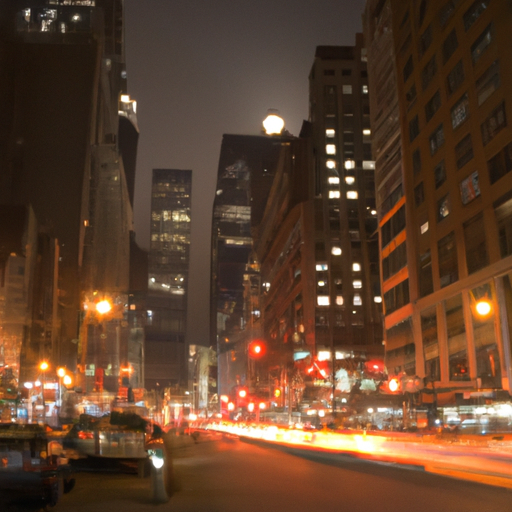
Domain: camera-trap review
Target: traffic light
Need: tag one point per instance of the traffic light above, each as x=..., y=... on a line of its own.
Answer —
x=257, y=349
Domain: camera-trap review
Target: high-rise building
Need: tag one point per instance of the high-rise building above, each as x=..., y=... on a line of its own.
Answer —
x=247, y=166
x=445, y=236
x=348, y=299
x=63, y=87
x=166, y=350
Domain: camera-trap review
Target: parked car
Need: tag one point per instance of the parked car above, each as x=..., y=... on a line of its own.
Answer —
x=31, y=468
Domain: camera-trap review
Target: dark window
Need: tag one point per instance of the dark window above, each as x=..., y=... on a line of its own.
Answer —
x=408, y=69
x=474, y=238
x=410, y=95
x=464, y=151
x=395, y=261
x=436, y=139
x=488, y=82
x=503, y=212
x=393, y=226
x=439, y=174
x=397, y=297
x=450, y=44
x=455, y=78
x=329, y=72
x=501, y=164
x=425, y=274
x=432, y=106
x=404, y=356
x=414, y=128
x=482, y=43
x=419, y=195
x=494, y=123
x=430, y=343
x=416, y=161
x=425, y=40
x=446, y=12
x=460, y=111
x=392, y=199
x=469, y=188
x=473, y=13
x=443, y=208
x=447, y=254
x=346, y=72
x=456, y=333
x=428, y=72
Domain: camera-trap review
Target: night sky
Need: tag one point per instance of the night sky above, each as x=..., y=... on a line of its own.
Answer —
x=202, y=68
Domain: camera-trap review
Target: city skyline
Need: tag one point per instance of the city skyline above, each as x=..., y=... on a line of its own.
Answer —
x=193, y=84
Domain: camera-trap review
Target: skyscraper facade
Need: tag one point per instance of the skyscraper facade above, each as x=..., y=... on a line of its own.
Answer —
x=63, y=86
x=445, y=244
x=348, y=299
x=168, y=270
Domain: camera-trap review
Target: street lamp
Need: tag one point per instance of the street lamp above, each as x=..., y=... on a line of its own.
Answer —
x=43, y=366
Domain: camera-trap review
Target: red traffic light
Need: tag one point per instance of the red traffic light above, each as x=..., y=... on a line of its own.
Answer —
x=257, y=349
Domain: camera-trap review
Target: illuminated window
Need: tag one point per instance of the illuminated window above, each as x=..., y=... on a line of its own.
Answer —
x=350, y=164
x=357, y=300
x=367, y=131
x=368, y=165
x=339, y=300
x=350, y=180
x=321, y=267
x=336, y=251
x=377, y=299
x=330, y=133
x=352, y=194
x=424, y=228
x=357, y=283
x=347, y=89
x=330, y=149
x=334, y=194
x=356, y=267
x=334, y=180
x=364, y=89
x=322, y=300
x=330, y=164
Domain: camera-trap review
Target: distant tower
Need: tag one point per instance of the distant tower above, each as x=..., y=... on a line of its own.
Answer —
x=169, y=255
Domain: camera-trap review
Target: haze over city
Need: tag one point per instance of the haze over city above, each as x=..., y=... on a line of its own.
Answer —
x=201, y=69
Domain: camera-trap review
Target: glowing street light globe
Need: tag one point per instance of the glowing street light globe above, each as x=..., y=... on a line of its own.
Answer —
x=483, y=307
x=103, y=307
x=43, y=366
x=273, y=124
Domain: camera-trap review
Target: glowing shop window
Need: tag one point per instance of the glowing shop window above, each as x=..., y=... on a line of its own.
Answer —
x=321, y=267
x=350, y=164
x=424, y=228
x=377, y=299
x=357, y=300
x=336, y=251
x=356, y=267
x=330, y=164
x=330, y=133
x=350, y=180
x=352, y=194
x=357, y=283
x=330, y=149
x=339, y=300
x=334, y=194
x=368, y=165
x=322, y=300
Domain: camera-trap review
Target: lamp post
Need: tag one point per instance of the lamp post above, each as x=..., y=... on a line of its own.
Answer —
x=43, y=366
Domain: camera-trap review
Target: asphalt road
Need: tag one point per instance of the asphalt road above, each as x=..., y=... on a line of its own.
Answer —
x=225, y=475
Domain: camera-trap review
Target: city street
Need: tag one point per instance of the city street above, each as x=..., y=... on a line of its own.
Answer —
x=226, y=474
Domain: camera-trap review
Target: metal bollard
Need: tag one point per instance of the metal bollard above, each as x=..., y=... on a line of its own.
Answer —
x=158, y=471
